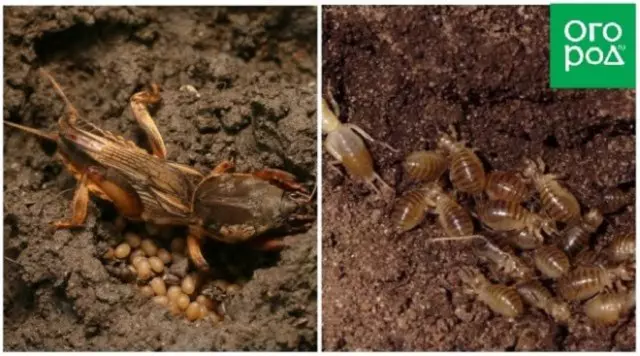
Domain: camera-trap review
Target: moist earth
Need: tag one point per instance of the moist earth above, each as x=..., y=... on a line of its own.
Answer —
x=253, y=71
x=404, y=74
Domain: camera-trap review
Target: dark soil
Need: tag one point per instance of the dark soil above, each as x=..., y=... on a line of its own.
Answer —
x=405, y=73
x=254, y=70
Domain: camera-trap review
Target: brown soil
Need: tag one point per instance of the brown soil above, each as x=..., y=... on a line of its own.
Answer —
x=254, y=69
x=402, y=74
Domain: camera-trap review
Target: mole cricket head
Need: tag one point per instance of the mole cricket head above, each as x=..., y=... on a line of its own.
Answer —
x=433, y=191
x=296, y=207
x=330, y=121
x=531, y=169
x=560, y=312
x=446, y=143
x=593, y=219
x=472, y=278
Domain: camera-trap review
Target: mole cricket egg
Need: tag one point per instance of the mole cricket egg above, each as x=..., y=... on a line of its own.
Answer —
x=158, y=286
x=109, y=255
x=204, y=311
x=193, y=311
x=174, y=309
x=144, y=270
x=135, y=260
x=174, y=292
x=122, y=251
x=208, y=303
x=189, y=284
x=135, y=255
x=161, y=300
x=183, y=301
x=149, y=247
x=132, y=239
x=156, y=264
x=164, y=255
x=178, y=245
x=147, y=291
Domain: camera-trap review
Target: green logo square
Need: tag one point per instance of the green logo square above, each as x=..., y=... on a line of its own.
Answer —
x=593, y=46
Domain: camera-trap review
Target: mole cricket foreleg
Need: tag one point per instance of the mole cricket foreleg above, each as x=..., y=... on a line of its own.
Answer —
x=223, y=167
x=79, y=206
x=195, y=249
x=280, y=177
x=139, y=102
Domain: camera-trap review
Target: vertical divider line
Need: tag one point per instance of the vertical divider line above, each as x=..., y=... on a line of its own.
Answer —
x=319, y=169
x=637, y=203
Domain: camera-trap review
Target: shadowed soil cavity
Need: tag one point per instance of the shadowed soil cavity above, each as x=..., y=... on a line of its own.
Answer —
x=238, y=84
x=404, y=74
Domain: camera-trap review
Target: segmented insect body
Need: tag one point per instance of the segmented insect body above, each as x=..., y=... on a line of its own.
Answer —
x=409, y=210
x=615, y=199
x=584, y=282
x=622, y=248
x=576, y=237
x=523, y=239
x=557, y=201
x=453, y=218
x=503, y=215
x=506, y=186
x=425, y=166
x=536, y=295
x=348, y=148
x=551, y=261
x=466, y=171
x=507, y=262
x=586, y=257
x=608, y=308
x=148, y=188
x=499, y=298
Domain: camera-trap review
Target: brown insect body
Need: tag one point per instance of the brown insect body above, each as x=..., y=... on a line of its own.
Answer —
x=556, y=200
x=584, y=282
x=237, y=207
x=425, y=166
x=499, y=298
x=586, y=257
x=608, y=308
x=501, y=215
x=508, y=186
x=523, y=239
x=622, y=248
x=147, y=187
x=507, y=262
x=536, y=295
x=466, y=171
x=576, y=237
x=409, y=210
x=453, y=218
x=348, y=149
x=551, y=261
x=615, y=199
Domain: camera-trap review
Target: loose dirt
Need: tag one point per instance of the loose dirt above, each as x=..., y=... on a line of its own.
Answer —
x=254, y=73
x=405, y=73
